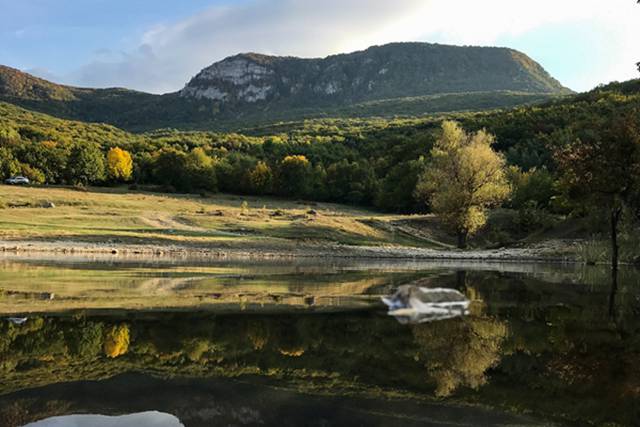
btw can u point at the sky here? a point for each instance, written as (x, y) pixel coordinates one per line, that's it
(158, 45)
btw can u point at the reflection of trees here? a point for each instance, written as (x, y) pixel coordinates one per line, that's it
(554, 349)
(458, 353)
(116, 341)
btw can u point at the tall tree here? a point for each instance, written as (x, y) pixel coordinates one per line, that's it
(464, 178)
(601, 169)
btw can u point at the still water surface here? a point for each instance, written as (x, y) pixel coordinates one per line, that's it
(157, 342)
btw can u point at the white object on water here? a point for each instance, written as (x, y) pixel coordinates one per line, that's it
(414, 304)
(17, 320)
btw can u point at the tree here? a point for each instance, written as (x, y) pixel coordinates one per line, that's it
(601, 170)
(86, 164)
(295, 176)
(169, 168)
(9, 166)
(397, 187)
(233, 172)
(351, 182)
(119, 164)
(464, 178)
(116, 341)
(261, 179)
(201, 171)
(458, 354)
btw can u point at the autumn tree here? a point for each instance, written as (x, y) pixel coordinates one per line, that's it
(601, 170)
(464, 178)
(261, 178)
(459, 353)
(119, 164)
(116, 341)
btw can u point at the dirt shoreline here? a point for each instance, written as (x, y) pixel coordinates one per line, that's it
(547, 252)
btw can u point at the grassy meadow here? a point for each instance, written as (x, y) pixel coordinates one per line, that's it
(119, 216)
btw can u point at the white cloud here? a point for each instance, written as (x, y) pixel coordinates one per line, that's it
(168, 55)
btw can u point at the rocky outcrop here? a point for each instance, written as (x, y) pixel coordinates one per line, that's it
(236, 78)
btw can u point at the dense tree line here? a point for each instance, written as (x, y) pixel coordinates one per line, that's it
(381, 163)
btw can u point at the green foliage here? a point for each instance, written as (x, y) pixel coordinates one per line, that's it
(9, 166)
(351, 182)
(295, 176)
(464, 178)
(86, 164)
(397, 188)
(261, 179)
(535, 187)
(85, 340)
(371, 161)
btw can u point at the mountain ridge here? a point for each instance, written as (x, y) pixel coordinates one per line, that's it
(253, 87)
(378, 72)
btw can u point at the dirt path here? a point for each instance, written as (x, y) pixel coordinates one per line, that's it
(166, 222)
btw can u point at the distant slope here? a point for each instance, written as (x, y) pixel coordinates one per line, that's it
(400, 79)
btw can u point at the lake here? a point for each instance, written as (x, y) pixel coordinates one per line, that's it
(117, 341)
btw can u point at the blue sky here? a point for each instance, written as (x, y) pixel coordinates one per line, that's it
(158, 45)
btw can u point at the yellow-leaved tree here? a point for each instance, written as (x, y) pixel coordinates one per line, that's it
(119, 164)
(116, 340)
(464, 178)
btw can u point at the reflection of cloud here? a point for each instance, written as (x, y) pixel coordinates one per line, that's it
(167, 55)
(142, 419)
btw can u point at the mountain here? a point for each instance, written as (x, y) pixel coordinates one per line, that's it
(398, 79)
(380, 72)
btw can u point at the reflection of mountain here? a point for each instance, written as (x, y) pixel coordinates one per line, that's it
(224, 402)
(534, 346)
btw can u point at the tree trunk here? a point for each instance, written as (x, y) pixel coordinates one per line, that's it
(462, 239)
(616, 213)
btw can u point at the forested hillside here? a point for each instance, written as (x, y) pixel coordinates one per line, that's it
(359, 161)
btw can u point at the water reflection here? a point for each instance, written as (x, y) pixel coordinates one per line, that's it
(541, 344)
(412, 304)
(144, 419)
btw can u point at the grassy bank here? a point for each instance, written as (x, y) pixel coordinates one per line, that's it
(120, 216)
(64, 219)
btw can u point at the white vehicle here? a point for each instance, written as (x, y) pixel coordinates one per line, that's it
(17, 180)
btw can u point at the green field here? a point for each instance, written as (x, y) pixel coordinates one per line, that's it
(120, 216)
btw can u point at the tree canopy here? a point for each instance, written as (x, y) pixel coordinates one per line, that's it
(464, 178)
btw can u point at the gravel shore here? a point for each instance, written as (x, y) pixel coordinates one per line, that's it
(551, 251)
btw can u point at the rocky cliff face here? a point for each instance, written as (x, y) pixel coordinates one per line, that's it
(380, 72)
(236, 78)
